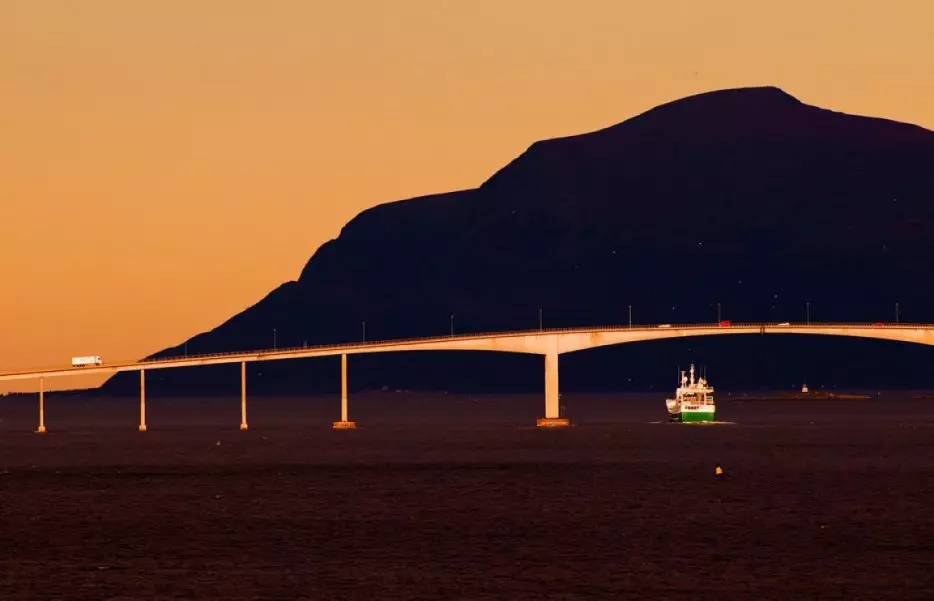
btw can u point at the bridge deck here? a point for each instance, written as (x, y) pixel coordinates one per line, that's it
(557, 340)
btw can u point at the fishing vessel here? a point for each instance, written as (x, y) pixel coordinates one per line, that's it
(693, 400)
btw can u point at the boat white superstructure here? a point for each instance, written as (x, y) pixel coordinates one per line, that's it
(693, 400)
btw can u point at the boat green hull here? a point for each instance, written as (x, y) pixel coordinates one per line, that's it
(694, 416)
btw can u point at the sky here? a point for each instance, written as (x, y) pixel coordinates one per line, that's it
(164, 164)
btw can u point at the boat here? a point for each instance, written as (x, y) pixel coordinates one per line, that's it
(804, 389)
(693, 400)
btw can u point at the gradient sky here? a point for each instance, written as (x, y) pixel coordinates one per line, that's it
(166, 163)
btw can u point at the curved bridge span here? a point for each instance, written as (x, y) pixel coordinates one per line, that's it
(551, 343)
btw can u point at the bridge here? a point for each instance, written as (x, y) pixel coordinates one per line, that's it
(551, 343)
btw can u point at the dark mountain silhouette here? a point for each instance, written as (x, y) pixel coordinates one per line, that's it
(746, 197)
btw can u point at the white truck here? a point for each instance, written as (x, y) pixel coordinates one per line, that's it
(85, 361)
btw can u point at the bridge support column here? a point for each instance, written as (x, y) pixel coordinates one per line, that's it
(41, 428)
(552, 417)
(243, 424)
(142, 400)
(344, 423)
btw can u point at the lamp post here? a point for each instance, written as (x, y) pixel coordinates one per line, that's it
(896, 313)
(363, 326)
(540, 319)
(452, 325)
(808, 310)
(630, 317)
(274, 342)
(718, 313)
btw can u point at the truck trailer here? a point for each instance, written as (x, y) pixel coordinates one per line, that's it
(85, 361)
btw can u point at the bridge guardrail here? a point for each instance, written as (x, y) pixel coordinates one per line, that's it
(513, 333)
(472, 336)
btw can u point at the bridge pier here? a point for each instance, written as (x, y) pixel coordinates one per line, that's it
(243, 424)
(142, 400)
(344, 423)
(552, 417)
(41, 428)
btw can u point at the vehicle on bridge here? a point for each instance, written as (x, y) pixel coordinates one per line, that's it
(86, 361)
(693, 400)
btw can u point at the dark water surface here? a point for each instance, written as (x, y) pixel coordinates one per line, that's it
(446, 497)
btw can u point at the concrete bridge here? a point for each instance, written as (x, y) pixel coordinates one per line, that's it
(549, 343)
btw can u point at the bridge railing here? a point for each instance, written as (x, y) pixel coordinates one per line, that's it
(473, 336)
(516, 333)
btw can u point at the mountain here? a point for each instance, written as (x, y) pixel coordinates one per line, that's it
(744, 197)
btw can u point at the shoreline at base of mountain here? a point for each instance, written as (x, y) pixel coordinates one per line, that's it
(819, 395)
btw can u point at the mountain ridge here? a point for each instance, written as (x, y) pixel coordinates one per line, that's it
(770, 203)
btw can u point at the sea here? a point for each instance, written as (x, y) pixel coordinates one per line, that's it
(443, 496)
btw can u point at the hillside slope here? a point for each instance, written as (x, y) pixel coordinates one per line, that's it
(746, 197)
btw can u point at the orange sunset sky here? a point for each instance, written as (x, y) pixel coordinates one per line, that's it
(166, 163)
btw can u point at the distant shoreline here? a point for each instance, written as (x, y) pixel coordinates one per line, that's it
(722, 395)
(810, 396)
